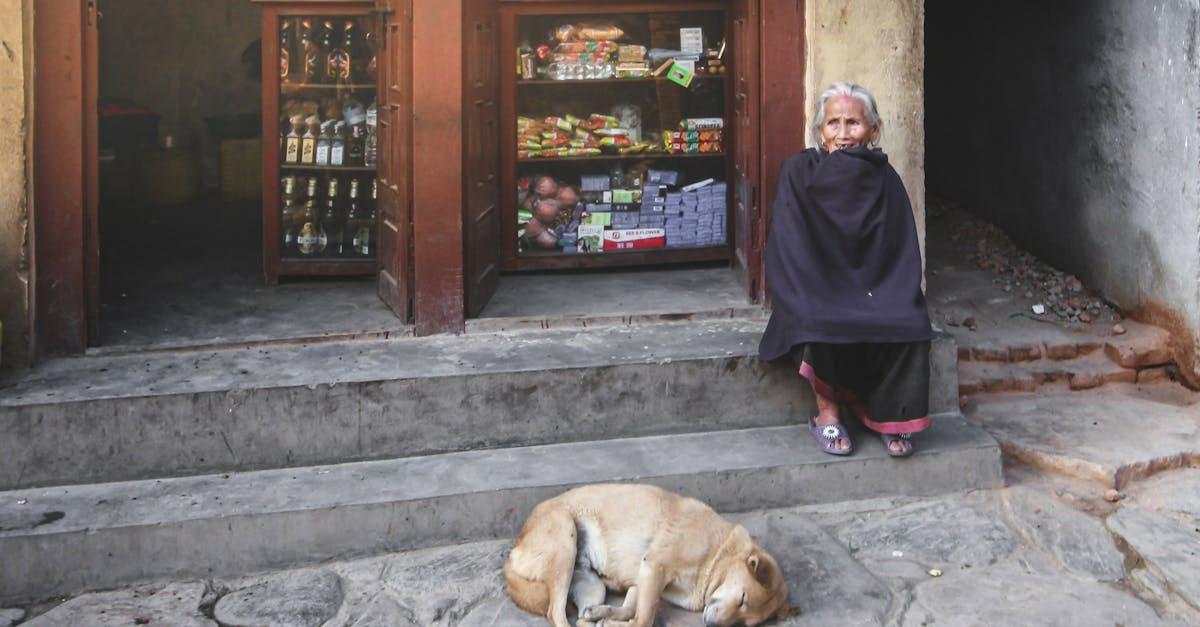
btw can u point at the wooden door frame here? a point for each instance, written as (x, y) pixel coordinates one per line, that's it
(65, 243)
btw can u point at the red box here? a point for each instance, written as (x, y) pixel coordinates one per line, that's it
(633, 239)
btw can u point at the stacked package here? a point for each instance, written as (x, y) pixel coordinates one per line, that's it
(695, 135)
(570, 136)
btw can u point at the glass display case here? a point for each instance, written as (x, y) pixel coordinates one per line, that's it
(615, 151)
(320, 77)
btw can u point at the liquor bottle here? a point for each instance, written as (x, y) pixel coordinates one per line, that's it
(333, 222)
(326, 41)
(310, 237)
(288, 213)
(371, 151)
(354, 146)
(285, 51)
(312, 53)
(340, 57)
(291, 152)
(323, 142)
(337, 147)
(359, 225)
(371, 67)
(308, 142)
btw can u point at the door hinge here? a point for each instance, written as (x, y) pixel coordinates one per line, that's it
(93, 13)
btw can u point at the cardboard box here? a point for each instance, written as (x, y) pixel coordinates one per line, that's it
(634, 239)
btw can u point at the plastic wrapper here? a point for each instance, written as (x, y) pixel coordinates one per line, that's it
(694, 124)
(602, 46)
(683, 148)
(704, 135)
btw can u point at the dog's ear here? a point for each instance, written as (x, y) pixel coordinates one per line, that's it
(763, 569)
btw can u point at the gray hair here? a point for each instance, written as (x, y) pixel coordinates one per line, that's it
(862, 94)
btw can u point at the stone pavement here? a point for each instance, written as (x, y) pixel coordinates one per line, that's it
(1099, 525)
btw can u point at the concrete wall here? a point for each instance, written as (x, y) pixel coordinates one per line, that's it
(14, 250)
(1074, 128)
(880, 45)
(184, 64)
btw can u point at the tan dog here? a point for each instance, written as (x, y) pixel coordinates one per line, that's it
(649, 543)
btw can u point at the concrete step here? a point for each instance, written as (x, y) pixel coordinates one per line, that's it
(129, 417)
(63, 540)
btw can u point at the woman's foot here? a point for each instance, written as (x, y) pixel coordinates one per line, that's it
(898, 445)
(830, 434)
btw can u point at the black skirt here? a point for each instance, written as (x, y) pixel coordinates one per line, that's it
(885, 385)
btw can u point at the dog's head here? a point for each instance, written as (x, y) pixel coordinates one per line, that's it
(750, 588)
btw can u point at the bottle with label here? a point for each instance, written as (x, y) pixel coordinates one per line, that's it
(310, 237)
(308, 142)
(311, 53)
(325, 39)
(337, 146)
(323, 142)
(291, 151)
(285, 51)
(340, 56)
(288, 213)
(333, 222)
(355, 145)
(360, 225)
(371, 151)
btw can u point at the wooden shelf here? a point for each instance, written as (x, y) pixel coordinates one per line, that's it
(558, 260)
(650, 80)
(290, 87)
(327, 168)
(632, 156)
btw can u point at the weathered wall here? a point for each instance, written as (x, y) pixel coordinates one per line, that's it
(1074, 128)
(14, 249)
(879, 45)
(185, 64)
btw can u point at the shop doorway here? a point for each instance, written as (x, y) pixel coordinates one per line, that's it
(179, 207)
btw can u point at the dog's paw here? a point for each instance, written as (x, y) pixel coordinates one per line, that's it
(593, 613)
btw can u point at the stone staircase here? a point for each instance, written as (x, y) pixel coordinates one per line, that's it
(126, 468)
(1081, 360)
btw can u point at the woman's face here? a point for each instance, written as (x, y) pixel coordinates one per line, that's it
(845, 124)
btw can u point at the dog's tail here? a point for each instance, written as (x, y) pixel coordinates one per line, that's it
(529, 595)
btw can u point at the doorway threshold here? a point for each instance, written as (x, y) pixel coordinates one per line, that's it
(604, 298)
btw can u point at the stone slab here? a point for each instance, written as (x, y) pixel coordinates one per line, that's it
(176, 604)
(306, 598)
(1111, 435)
(103, 535)
(1008, 594)
(1169, 546)
(1174, 491)
(1076, 541)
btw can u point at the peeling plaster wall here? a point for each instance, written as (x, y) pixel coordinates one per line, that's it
(14, 249)
(1074, 128)
(879, 45)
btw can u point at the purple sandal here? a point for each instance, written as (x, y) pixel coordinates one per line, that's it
(826, 435)
(903, 437)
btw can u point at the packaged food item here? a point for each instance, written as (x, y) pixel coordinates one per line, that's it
(679, 148)
(704, 135)
(692, 124)
(600, 31)
(631, 53)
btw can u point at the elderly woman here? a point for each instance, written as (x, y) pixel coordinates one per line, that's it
(844, 274)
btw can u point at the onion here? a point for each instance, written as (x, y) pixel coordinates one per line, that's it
(545, 187)
(546, 210)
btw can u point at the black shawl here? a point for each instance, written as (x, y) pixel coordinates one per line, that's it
(843, 261)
